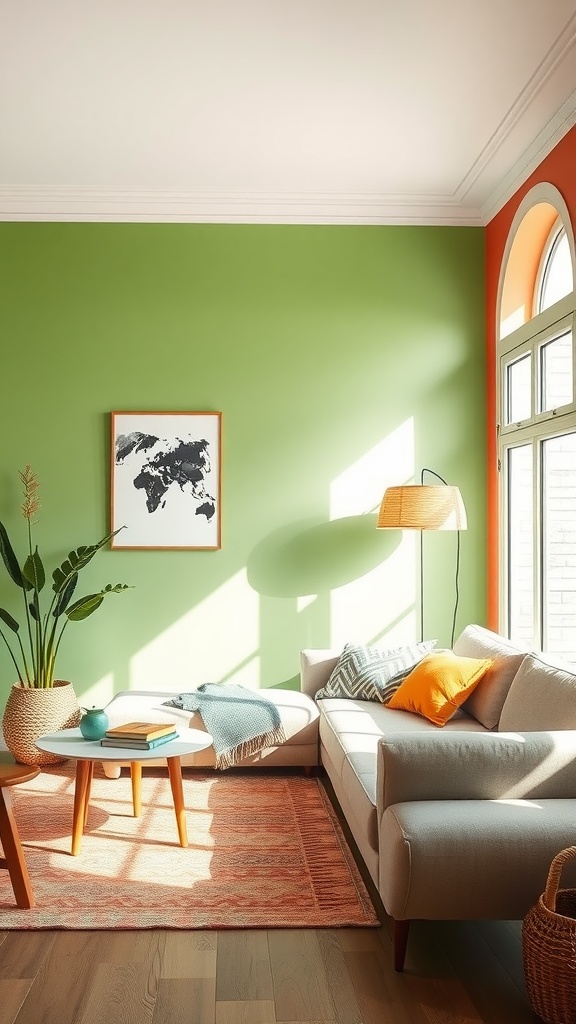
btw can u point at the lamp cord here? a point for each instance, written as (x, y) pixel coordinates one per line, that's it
(456, 587)
(456, 581)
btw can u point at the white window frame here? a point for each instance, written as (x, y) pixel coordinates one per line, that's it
(532, 345)
(539, 426)
(553, 238)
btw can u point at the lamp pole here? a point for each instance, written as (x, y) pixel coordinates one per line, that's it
(425, 507)
(457, 575)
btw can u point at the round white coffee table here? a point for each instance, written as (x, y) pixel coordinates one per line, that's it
(69, 743)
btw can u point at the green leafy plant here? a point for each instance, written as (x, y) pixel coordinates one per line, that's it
(35, 657)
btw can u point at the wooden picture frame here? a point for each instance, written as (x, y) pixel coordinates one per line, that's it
(166, 480)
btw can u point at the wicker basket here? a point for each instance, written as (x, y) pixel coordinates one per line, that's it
(549, 948)
(31, 713)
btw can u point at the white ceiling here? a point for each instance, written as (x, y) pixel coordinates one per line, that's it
(285, 111)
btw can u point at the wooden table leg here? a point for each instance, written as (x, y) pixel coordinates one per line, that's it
(13, 858)
(81, 792)
(175, 773)
(88, 792)
(136, 779)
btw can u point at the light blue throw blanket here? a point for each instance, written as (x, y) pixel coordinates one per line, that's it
(240, 722)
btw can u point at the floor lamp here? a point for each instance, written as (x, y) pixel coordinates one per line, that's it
(425, 507)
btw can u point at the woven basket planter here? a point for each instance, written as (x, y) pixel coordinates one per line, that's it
(549, 948)
(31, 713)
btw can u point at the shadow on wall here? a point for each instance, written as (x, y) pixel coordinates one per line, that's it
(315, 556)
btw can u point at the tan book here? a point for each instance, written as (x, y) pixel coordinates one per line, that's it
(141, 730)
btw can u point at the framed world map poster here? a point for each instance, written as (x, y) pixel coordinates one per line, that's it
(166, 479)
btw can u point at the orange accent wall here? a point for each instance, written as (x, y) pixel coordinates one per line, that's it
(558, 168)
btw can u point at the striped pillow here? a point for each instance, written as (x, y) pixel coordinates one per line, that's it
(367, 673)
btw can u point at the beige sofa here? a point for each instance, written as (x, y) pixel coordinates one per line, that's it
(299, 715)
(462, 821)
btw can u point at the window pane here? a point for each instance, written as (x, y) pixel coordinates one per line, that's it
(520, 544)
(518, 404)
(557, 274)
(559, 480)
(556, 373)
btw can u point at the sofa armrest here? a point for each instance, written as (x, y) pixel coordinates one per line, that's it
(316, 667)
(476, 766)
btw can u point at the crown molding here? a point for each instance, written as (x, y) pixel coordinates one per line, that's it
(543, 144)
(551, 68)
(31, 203)
(473, 203)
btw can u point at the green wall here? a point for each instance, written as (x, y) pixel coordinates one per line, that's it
(329, 351)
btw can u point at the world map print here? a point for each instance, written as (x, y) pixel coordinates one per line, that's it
(165, 489)
(166, 463)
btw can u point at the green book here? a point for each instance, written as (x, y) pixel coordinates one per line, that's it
(139, 744)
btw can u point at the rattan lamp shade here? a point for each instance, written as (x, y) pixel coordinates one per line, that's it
(425, 507)
(422, 507)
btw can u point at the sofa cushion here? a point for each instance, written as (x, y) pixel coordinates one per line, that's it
(542, 697)
(438, 686)
(364, 673)
(470, 859)
(487, 699)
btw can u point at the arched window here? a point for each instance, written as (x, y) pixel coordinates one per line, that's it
(555, 272)
(537, 426)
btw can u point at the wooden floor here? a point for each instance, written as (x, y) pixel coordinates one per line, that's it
(456, 974)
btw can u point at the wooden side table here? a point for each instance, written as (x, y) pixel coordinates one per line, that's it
(69, 743)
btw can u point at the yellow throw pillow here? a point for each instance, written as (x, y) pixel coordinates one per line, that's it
(438, 685)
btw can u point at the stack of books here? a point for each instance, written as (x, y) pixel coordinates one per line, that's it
(140, 735)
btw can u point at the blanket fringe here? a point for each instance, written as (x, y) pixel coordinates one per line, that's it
(230, 758)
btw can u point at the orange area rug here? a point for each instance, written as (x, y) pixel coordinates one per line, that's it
(265, 851)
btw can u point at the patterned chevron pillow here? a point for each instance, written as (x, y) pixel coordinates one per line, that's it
(367, 673)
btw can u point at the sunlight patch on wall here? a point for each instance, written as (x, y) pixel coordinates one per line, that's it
(304, 602)
(381, 602)
(360, 487)
(217, 640)
(97, 695)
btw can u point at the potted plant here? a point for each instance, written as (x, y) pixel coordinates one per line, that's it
(38, 702)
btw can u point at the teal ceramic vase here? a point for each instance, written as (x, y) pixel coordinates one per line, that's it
(94, 723)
